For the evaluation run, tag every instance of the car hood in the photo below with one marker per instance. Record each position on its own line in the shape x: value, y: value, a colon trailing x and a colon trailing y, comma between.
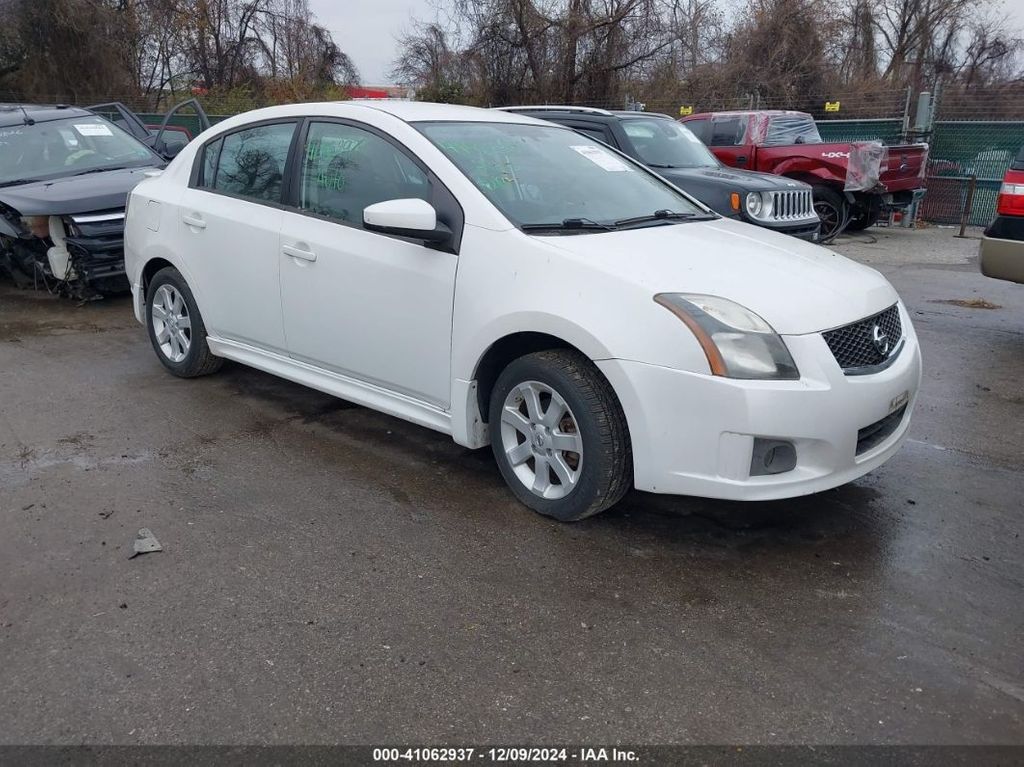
x: 75, y: 194
x: 735, y: 180
x: 795, y: 286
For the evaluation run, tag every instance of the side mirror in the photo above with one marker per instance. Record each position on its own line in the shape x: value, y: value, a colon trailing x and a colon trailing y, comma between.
x: 406, y: 218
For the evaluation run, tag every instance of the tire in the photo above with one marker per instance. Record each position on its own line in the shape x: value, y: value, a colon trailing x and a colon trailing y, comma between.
x: 590, y: 418
x: 180, y: 347
x: 832, y: 209
x: 862, y: 217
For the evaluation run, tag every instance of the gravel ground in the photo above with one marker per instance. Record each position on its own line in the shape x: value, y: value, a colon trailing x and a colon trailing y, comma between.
x: 330, y: 574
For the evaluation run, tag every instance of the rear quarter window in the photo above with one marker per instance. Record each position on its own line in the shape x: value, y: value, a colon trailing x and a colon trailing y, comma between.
x: 1018, y: 163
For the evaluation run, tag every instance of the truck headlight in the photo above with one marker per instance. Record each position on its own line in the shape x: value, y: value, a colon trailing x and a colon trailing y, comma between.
x: 737, y: 342
x: 758, y: 205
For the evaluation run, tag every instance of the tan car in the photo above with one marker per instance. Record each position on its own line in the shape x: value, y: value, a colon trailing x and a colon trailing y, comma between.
x: 1002, y: 246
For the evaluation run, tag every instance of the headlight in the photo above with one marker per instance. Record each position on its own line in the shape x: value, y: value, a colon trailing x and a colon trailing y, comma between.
x: 737, y: 342
x: 758, y: 205
x: 39, y: 226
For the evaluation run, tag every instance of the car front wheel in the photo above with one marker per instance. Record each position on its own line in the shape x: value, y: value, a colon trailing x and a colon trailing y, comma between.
x: 176, y: 328
x: 559, y: 435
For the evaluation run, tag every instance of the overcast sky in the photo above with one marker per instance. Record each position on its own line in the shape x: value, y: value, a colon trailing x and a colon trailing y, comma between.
x: 366, y: 30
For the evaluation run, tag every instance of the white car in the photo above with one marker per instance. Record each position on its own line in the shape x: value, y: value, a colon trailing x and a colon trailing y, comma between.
x: 511, y: 282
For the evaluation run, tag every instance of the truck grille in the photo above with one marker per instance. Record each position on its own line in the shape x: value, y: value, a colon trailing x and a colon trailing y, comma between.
x: 792, y: 205
x: 854, y: 345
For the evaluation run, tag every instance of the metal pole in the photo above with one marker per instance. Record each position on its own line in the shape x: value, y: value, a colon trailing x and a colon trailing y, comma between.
x: 965, y: 215
x: 906, y: 114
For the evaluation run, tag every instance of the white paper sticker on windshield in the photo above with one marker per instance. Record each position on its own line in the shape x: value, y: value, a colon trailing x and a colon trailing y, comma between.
x: 93, y: 129
x: 601, y: 158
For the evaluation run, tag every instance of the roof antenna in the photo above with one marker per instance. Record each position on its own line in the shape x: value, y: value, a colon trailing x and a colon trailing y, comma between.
x: 28, y: 120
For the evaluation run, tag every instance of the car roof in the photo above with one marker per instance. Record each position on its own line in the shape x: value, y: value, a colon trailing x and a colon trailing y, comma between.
x: 589, y: 113
x: 12, y: 114
x: 633, y: 114
x: 424, y: 111
x: 406, y: 111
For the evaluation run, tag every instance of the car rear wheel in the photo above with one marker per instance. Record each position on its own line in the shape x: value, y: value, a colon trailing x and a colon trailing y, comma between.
x: 559, y: 435
x: 832, y: 209
x: 176, y: 327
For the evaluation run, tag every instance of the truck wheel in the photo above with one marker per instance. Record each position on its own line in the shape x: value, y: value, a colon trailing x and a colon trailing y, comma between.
x: 559, y: 435
x: 862, y: 217
x: 832, y: 209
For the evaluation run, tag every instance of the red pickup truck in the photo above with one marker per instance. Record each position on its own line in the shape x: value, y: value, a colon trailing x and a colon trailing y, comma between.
x: 852, y: 182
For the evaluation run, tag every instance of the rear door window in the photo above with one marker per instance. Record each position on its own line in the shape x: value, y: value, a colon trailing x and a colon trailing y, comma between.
x: 727, y: 131
x: 251, y: 162
x: 596, y: 132
x: 785, y: 130
x: 700, y: 129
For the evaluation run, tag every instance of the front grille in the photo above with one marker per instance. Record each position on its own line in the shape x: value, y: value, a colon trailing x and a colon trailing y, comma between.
x: 854, y: 345
x: 792, y: 205
x: 876, y: 433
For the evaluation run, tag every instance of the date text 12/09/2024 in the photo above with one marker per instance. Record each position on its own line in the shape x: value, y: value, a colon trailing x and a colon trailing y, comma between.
x: 503, y: 754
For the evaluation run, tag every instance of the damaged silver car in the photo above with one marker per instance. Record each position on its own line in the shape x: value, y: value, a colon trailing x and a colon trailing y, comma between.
x: 65, y: 174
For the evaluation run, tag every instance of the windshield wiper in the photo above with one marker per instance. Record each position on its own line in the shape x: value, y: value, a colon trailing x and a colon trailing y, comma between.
x: 100, y: 170
x: 663, y: 215
x: 570, y: 225
x: 19, y: 181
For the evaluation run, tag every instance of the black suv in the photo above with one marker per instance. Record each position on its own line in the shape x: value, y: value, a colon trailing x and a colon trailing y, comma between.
x: 673, y: 152
x: 65, y: 174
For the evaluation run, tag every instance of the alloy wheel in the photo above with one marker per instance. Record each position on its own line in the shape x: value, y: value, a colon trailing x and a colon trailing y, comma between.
x: 172, y: 325
x: 542, y: 440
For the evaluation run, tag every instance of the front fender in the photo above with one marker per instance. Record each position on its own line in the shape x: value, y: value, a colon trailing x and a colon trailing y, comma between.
x: 467, y: 424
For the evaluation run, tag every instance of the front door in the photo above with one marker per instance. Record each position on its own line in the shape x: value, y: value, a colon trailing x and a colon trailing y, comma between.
x: 366, y: 305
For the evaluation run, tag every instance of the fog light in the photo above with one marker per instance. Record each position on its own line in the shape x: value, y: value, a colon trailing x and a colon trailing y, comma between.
x: 772, y: 456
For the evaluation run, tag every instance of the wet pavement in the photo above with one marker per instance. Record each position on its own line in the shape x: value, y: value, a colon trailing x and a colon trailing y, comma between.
x: 330, y: 574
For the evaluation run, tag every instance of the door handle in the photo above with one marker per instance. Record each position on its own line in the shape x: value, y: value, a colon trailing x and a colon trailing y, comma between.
x: 295, y: 252
x: 194, y: 221
x: 741, y: 160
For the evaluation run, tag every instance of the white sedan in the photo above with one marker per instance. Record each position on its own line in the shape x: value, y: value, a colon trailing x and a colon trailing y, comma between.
x: 510, y: 282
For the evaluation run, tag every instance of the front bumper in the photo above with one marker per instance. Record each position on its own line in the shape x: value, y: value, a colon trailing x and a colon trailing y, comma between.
x: 97, y: 251
x: 693, y: 434
x: 808, y: 229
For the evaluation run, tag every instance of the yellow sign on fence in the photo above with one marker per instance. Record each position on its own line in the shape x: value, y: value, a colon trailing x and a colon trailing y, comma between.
x: 684, y: 111
x: 831, y: 106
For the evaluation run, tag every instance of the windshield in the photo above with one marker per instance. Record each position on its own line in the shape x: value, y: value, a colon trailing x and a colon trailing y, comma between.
x: 784, y: 130
x: 664, y: 143
x: 538, y: 174
x: 67, y: 147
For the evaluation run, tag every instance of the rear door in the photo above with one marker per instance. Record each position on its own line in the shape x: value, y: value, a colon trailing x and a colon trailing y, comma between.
x: 725, y: 138
x: 230, y: 220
